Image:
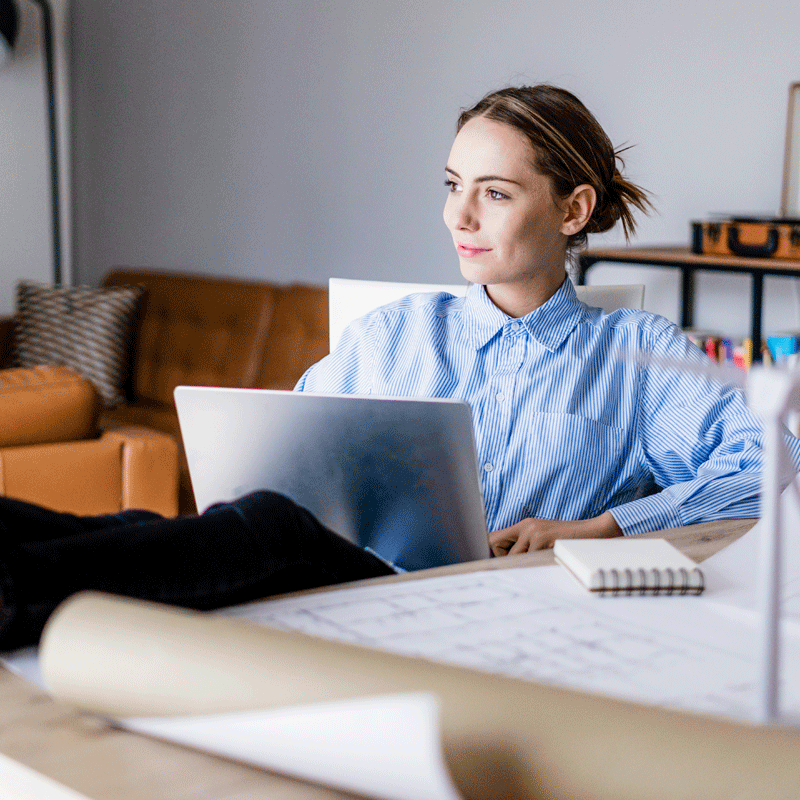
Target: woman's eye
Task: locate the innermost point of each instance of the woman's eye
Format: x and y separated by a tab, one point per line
452	186
495	195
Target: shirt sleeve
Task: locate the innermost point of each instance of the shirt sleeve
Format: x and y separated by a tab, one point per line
700	442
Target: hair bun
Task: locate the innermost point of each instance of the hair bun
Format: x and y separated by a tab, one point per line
615	204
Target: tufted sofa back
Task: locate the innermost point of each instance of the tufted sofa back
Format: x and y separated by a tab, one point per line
210	331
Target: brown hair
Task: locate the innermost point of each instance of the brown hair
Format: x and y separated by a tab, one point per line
571	149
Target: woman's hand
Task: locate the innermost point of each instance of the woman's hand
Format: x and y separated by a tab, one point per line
539	534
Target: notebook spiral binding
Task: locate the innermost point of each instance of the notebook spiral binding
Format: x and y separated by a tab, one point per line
667	581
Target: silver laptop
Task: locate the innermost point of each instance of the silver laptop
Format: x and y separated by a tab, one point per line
399	476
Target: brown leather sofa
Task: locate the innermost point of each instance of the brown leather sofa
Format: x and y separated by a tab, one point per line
210	331
192	330
53	453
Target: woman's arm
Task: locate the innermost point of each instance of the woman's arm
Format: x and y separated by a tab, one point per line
699	440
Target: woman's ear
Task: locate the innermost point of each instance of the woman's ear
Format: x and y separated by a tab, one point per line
578	208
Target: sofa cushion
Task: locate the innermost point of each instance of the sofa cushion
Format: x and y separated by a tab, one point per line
46	405
88	330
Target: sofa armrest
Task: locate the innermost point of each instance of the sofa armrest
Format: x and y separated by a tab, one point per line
124	468
46	404
149	468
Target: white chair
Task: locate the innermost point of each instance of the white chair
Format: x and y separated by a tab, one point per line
350	299
610	298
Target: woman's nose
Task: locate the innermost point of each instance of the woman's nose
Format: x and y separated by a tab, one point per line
462	215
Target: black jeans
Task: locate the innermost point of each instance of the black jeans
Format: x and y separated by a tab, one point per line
260	545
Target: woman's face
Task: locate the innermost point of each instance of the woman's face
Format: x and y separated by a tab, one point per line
507	229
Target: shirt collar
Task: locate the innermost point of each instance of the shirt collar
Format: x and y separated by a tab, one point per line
550	324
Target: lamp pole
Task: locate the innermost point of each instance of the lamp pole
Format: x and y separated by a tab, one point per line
49	74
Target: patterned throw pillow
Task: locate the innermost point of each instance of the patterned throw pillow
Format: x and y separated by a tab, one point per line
86	329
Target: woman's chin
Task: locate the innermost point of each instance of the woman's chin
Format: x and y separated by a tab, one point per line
472	273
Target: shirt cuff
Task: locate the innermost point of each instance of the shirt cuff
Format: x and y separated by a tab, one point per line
653	513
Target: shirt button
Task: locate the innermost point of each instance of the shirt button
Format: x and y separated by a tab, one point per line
514	327
488	467
500	397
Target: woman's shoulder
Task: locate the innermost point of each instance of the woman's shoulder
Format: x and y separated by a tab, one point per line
417	302
630	319
415	308
643	329
379	336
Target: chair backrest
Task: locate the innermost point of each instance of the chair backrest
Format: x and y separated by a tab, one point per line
610	298
350	299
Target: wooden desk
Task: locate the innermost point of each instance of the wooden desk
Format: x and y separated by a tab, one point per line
106	764
688	263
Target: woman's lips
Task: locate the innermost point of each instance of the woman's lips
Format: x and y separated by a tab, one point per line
470	252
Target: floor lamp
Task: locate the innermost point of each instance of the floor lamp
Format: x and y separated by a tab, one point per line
8	34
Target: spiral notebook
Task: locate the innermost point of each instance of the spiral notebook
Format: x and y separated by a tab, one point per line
629	566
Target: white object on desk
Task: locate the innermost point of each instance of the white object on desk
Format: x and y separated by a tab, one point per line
18	782
347	744
629	566
771	393
731	571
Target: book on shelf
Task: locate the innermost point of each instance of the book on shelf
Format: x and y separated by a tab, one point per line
738	352
783	345
723	349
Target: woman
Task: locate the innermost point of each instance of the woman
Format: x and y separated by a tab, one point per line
572	430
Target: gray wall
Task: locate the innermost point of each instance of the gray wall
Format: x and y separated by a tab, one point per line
295	141
25	195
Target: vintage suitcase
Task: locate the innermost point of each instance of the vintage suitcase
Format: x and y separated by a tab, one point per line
748	237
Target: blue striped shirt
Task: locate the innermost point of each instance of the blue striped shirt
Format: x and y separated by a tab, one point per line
567	424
